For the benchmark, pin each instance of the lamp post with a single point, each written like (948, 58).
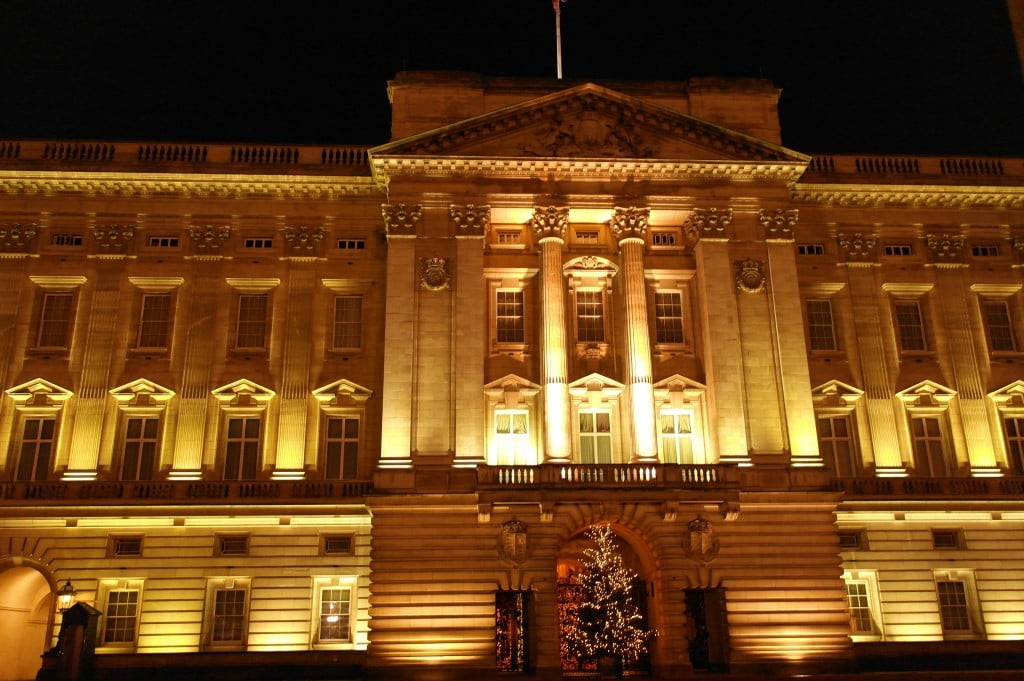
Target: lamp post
(66, 597)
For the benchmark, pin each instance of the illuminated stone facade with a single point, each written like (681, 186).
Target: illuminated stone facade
(322, 406)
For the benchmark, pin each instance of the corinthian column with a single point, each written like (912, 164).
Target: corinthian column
(629, 226)
(549, 226)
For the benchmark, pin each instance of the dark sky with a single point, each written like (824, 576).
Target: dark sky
(892, 76)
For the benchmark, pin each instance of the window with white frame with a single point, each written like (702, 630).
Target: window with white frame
(668, 317)
(959, 611)
(121, 617)
(836, 444)
(509, 316)
(251, 325)
(335, 605)
(512, 437)
(55, 316)
(341, 447)
(910, 329)
(38, 436)
(227, 626)
(595, 436)
(348, 323)
(676, 431)
(998, 326)
(242, 447)
(931, 456)
(820, 326)
(590, 316)
(1013, 428)
(863, 605)
(154, 321)
(140, 447)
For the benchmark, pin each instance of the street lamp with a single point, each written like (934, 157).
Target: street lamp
(66, 597)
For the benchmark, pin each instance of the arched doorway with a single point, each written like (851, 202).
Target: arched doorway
(26, 611)
(571, 591)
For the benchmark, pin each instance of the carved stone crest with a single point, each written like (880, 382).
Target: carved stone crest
(750, 276)
(778, 224)
(16, 237)
(112, 239)
(303, 240)
(434, 274)
(550, 221)
(629, 223)
(589, 134)
(470, 220)
(700, 543)
(513, 544)
(858, 247)
(400, 219)
(945, 247)
(208, 239)
(707, 223)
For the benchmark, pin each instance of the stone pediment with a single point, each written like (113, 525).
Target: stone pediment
(592, 122)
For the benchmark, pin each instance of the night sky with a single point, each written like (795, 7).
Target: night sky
(889, 76)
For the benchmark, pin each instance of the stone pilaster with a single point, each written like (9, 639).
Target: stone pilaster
(549, 225)
(629, 227)
(471, 224)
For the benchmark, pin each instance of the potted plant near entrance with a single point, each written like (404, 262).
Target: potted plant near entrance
(609, 624)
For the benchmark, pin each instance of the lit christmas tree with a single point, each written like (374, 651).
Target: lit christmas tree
(609, 621)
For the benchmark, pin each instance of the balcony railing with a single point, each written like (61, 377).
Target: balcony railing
(194, 492)
(931, 488)
(694, 476)
(945, 169)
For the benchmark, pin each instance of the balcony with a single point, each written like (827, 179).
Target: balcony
(609, 476)
(930, 488)
(53, 493)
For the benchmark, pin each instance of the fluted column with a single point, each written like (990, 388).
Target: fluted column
(549, 226)
(629, 226)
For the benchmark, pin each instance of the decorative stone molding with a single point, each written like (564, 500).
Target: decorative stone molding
(303, 241)
(208, 239)
(945, 247)
(924, 197)
(434, 274)
(707, 223)
(700, 543)
(778, 224)
(113, 239)
(858, 247)
(629, 223)
(16, 237)
(550, 222)
(470, 220)
(400, 219)
(513, 543)
(591, 135)
(750, 276)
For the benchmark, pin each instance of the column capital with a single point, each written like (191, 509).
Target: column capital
(707, 223)
(400, 219)
(303, 241)
(112, 239)
(945, 247)
(470, 220)
(550, 222)
(630, 223)
(858, 247)
(18, 237)
(778, 224)
(208, 239)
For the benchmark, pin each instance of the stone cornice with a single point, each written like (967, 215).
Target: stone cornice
(185, 185)
(931, 196)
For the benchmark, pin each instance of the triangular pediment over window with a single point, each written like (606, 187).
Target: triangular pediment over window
(595, 382)
(38, 391)
(341, 393)
(835, 393)
(1009, 395)
(143, 389)
(587, 122)
(243, 391)
(926, 393)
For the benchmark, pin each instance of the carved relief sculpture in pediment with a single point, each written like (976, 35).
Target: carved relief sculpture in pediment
(400, 219)
(858, 247)
(629, 223)
(550, 222)
(112, 239)
(303, 241)
(434, 274)
(588, 133)
(16, 237)
(945, 247)
(707, 223)
(470, 220)
(750, 276)
(208, 239)
(778, 224)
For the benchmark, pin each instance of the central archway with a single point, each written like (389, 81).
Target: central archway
(26, 611)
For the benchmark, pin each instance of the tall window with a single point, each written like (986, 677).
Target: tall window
(155, 320)
(998, 326)
(835, 442)
(860, 607)
(590, 316)
(595, 437)
(341, 446)
(676, 436)
(37, 440)
(55, 320)
(348, 322)
(509, 316)
(910, 325)
(668, 316)
(121, 616)
(335, 609)
(251, 330)
(930, 458)
(242, 448)
(227, 625)
(954, 608)
(512, 438)
(1014, 427)
(141, 444)
(820, 329)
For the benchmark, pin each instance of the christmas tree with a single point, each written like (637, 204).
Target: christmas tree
(608, 620)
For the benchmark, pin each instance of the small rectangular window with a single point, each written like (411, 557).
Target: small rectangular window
(232, 544)
(55, 320)
(668, 316)
(820, 329)
(984, 250)
(590, 316)
(126, 547)
(851, 540)
(37, 439)
(348, 322)
(335, 609)
(947, 539)
(155, 321)
(810, 249)
(954, 608)
(120, 615)
(509, 317)
(352, 244)
(66, 239)
(898, 249)
(228, 623)
(141, 445)
(338, 545)
(341, 448)
(998, 326)
(663, 238)
(242, 448)
(509, 238)
(252, 321)
(910, 325)
(587, 238)
(257, 242)
(163, 242)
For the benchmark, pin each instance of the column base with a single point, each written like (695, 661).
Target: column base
(891, 472)
(185, 474)
(986, 472)
(288, 474)
(78, 476)
(807, 462)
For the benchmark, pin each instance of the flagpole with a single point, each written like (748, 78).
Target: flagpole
(558, 35)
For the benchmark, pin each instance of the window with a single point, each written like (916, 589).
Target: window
(509, 316)
(930, 457)
(668, 316)
(820, 329)
(257, 242)
(242, 448)
(590, 316)
(898, 249)
(231, 545)
(985, 250)
(835, 443)
(947, 539)
(953, 606)
(998, 328)
(55, 320)
(335, 612)
(810, 249)
(852, 540)
(587, 238)
(66, 239)
(595, 437)
(1014, 427)
(341, 448)
(163, 242)
(141, 445)
(676, 436)
(509, 238)
(337, 545)
(125, 547)
(38, 436)
(910, 325)
(121, 616)
(154, 320)
(348, 322)
(859, 603)
(352, 244)
(227, 625)
(252, 321)
(512, 437)
(663, 238)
